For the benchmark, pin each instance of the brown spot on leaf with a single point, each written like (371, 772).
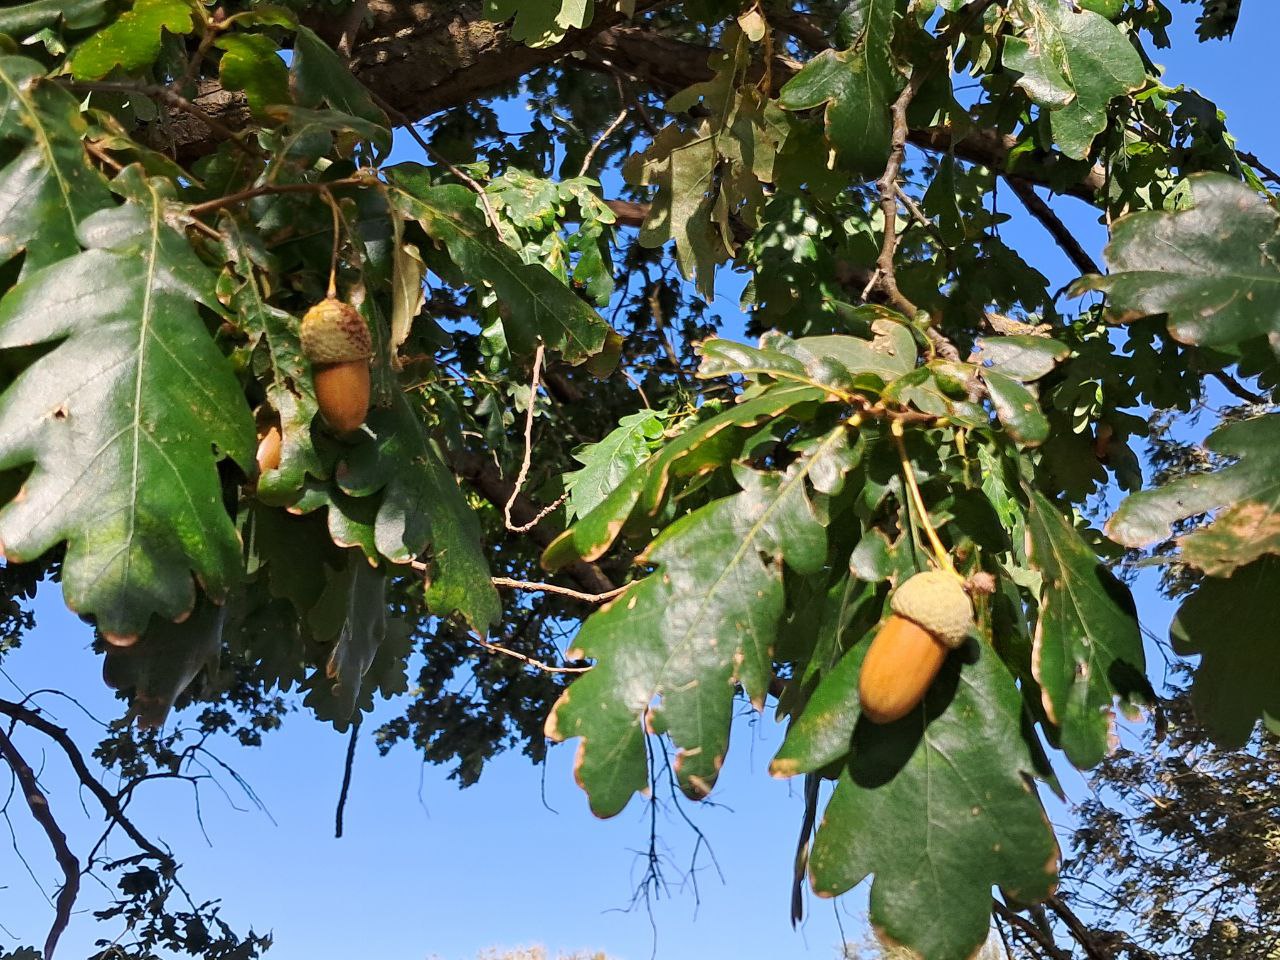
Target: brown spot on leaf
(121, 640)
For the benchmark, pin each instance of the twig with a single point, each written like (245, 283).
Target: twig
(601, 140)
(535, 586)
(888, 187)
(273, 188)
(1093, 950)
(523, 475)
(1252, 160)
(527, 660)
(436, 157)
(108, 801)
(1030, 930)
(1065, 239)
(346, 780)
(1238, 389)
(40, 812)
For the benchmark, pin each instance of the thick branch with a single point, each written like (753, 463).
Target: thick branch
(1029, 930)
(40, 812)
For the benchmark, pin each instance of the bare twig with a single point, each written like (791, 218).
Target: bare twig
(1030, 930)
(109, 802)
(1093, 949)
(1252, 160)
(1065, 239)
(609, 131)
(346, 780)
(40, 812)
(527, 462)
(527, 660)
(536, 586)
(888, 187)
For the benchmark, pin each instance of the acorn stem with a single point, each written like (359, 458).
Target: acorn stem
(941, 557)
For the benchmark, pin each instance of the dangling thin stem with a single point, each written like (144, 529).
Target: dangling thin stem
(941, 557)
(337, 240)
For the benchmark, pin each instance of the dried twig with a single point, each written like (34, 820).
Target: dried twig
(537, 586)
(609, 131)
(527, 660)
(40, 812)
(523, 475)
(109, 802)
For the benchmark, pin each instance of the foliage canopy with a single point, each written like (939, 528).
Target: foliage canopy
(182, 180)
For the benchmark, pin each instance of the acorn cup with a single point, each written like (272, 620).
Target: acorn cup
(336, 340)
(932, 615)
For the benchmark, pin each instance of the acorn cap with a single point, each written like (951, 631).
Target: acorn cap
(936, 600)
(334, 332)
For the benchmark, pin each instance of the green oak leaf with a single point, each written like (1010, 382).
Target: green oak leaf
(541, 307)
(1231, 625)
(1072, 63)
(1022, 357)
(133, 41)
(1247, 494)
(356, 598)
(1018, 409)
(163, 664)
(124, 420)
(702, 447)
(421, 506)
(1087, 647)
(47, 186)
(251, 62)
(1210, 268)
(940, 808)
(540, 23)
(279, 360)
(319, 76)
(606, 464)
(20, 20)
(706, 618)
(856, 87)
(823, 732)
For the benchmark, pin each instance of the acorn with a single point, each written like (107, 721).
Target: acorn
(336, 340)
(932, 615)
(269, 446)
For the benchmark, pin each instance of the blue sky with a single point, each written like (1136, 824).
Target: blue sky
(426, 870)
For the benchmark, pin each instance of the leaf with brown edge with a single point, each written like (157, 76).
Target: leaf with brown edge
(1088, 647)
(705, 619)
(124, 419)
(940, 807)
(1247, 493)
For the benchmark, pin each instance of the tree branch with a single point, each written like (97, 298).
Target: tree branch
(1065, 239)
(1030, 930)
(40, 812)
(483, 476)
(108, 801)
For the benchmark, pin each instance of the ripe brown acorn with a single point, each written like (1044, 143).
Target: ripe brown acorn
(336, 341)
(931, 616)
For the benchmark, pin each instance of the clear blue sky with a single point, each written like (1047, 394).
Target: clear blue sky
(427, 870)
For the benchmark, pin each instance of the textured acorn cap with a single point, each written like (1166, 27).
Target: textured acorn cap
(334, 332)
(936, 600)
